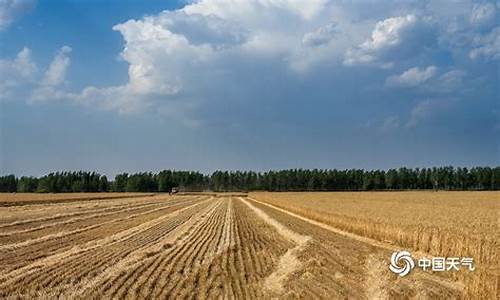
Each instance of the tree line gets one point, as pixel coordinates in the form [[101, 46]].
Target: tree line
[[438, 178]]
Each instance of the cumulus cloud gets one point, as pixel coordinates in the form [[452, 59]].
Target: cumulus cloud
[[200, 29], [213, 52], [15, 72], [247, 11], [412, 77], [171, 54], [390, 36], [10, 10], [320, 36], [430, 80], [157, 57], [48, 89], [56, 73]]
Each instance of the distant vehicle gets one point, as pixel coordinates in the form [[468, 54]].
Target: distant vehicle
[[174, 190]]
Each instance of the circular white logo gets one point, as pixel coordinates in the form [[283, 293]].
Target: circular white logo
[[401, 263]]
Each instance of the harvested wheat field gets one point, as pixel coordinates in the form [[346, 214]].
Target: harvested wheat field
[[13, 199], [431, 224], [268, 245]]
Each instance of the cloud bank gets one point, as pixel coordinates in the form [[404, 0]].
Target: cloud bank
[[215, 52]]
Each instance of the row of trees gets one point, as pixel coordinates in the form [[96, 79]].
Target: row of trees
[[443, 178], [60, 182], [164, 181]]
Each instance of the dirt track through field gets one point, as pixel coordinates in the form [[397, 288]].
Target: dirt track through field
[[288, 263], [375, 278], [195, 247]]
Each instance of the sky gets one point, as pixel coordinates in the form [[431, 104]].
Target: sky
[[127, 86]]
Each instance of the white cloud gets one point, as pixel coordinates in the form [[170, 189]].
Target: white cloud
[[487, 47], [56, 73], [227, 50], [171, 54], [200, 29], [320, 36], [21, 66], [428, 80], [10, 10], [49, 87], [247, 11], [16, 72], [412, 77], [387, 35], [157, 57]]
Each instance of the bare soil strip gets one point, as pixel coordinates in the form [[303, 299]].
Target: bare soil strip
[[377, 278], [458, 286], [330, 228], [288, 263]]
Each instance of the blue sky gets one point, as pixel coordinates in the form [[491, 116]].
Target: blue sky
[[125, 86]]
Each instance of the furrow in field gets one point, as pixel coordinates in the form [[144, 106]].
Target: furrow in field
[[332, 265], [81, 210], [212, 249], [21, 217], [288, 262], [200, 253], [196, 271], [58, 234], [337, 265], [16, 257], [241, 271], [109, 257], [225, 240], [177, 244], [32, 280], [238, 269], [44, 228], [74, 211], [220, 273], [174, 263], [114, 281], [68, 200], [147, 270]]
